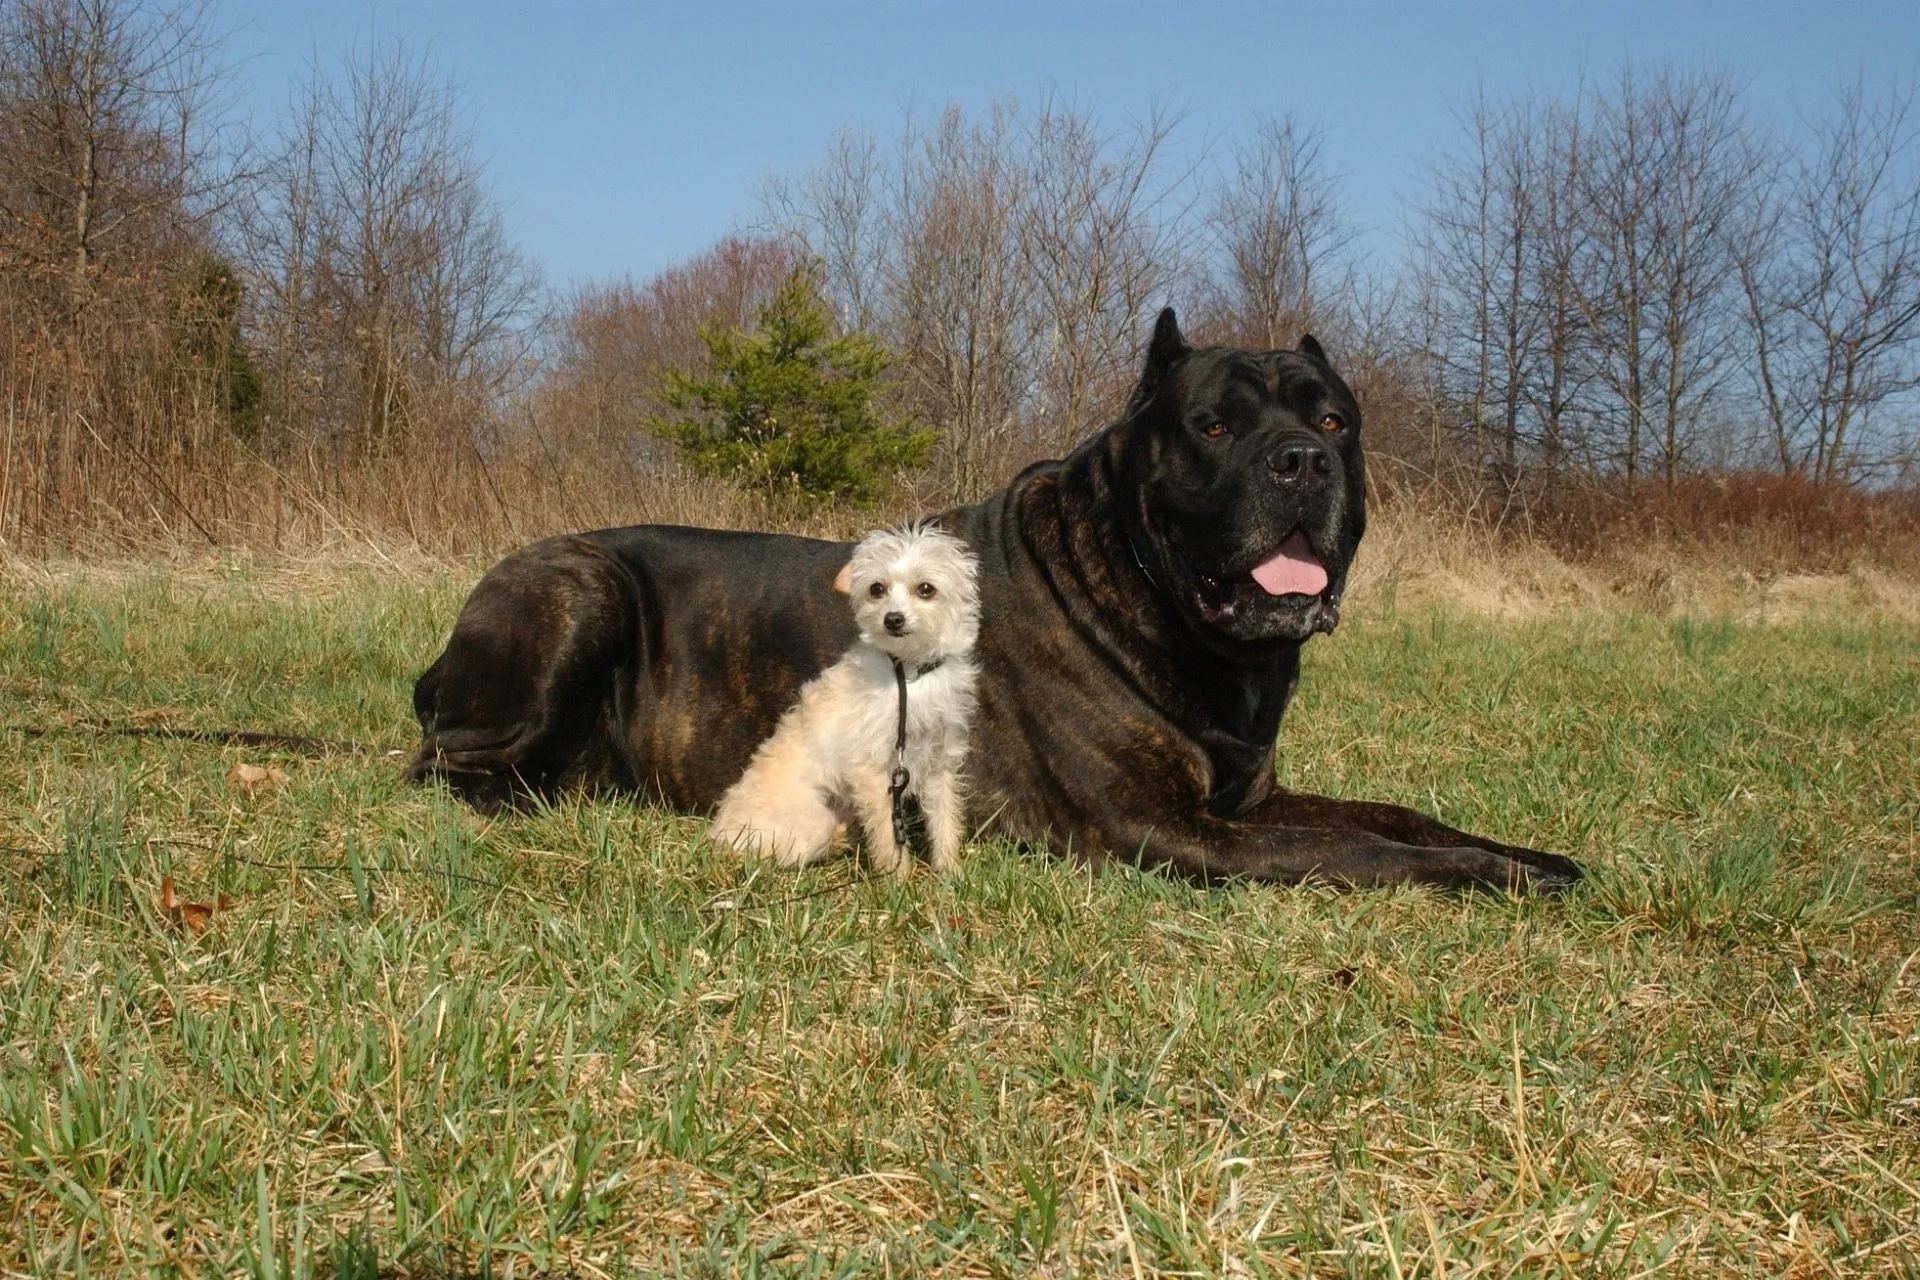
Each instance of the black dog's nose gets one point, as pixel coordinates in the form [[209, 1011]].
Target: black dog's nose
[[1300, 463], [895, 623]]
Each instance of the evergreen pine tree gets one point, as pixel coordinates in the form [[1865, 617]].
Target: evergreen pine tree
[[788, 406]]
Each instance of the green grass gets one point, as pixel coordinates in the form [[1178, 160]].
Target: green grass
[[581, 1040]]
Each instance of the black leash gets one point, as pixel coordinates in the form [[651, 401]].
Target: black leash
[[901, 779], [897, 785], [211, 737]]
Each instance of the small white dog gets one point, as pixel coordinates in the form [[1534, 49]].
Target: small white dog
[[833, 758]]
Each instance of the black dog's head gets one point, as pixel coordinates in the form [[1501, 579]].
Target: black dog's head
[[1246, 483]]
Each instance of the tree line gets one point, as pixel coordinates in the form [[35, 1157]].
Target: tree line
[[179, 296], [1635, 278], [1616, 285], [1620, 284]]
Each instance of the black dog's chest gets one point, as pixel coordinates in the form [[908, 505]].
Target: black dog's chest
[[1240, 746]]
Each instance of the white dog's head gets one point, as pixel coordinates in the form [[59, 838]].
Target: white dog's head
[[914, 593]]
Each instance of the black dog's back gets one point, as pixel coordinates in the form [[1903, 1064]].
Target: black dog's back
[[653, 658]]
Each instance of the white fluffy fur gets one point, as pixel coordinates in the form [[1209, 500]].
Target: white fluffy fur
[[831, 757]]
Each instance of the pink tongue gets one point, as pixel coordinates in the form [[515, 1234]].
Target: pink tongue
[[1294, 569]]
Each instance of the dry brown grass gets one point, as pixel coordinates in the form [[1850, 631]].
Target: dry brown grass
[[1745, 546], [1418, 558], [445, 498], [1760, 520]]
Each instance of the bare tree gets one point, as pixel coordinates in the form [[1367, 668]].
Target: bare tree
[[1479, 228], [616, 340], [1579, 257], [922, 246], [1278, 228], [280, 240], [117, 339], [1666, 183], [1010, 258], [960, 303], [1100, 254], [379, 254], [1591, 272], [835, 214], [102, 164], [1562, 370], [1832, 286]]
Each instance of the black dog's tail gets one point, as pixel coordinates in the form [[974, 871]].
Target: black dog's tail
[[212, 737]]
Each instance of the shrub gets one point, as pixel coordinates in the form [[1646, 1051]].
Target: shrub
[[789, 406]]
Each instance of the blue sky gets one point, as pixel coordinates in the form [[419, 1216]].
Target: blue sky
[[622, 138]]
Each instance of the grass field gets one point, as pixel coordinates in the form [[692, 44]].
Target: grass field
[[581, 1040]]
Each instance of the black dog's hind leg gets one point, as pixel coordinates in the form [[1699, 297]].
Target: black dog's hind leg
[[526, 698]]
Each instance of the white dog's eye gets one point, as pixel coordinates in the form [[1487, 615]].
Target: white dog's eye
[[925, 591], [877, 590]]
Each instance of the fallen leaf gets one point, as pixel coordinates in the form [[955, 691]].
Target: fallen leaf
[[194, 917], [133, 644], [248, 778]]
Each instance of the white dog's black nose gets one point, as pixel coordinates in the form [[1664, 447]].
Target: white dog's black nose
[[895, 623]]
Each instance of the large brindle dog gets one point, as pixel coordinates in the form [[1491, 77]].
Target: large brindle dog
[[1144, 601]]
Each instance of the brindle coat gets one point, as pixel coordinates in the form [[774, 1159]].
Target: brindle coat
[[1132, 674]]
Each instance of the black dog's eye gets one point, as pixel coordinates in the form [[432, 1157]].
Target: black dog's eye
[[1333, 422], [1211, 428], [925, 591], [877, 590]]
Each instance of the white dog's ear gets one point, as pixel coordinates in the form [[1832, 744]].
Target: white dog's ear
[[843, 581]]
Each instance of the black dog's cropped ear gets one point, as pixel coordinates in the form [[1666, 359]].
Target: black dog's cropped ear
[[843, 581], [1165, 351], [1310, 346], [1168, 345]]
